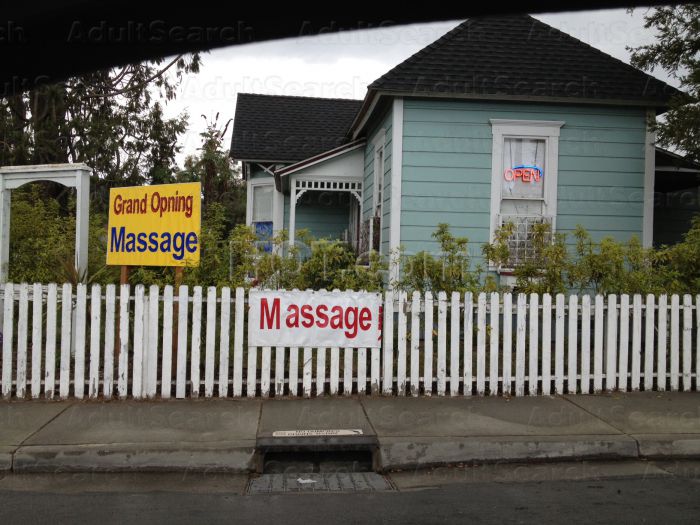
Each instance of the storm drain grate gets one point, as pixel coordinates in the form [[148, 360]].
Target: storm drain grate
[[318, 482]]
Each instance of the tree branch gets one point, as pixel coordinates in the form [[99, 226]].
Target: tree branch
[[138, 86]]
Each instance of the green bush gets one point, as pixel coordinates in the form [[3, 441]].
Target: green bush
[[42, 250], [42, 241], [545, 270], [614, 267], [315, 264], [606, 267], [449, 271]]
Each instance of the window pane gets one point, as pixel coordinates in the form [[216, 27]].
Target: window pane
[[521, 207], [523, 168], [262, 203], [378, 181]]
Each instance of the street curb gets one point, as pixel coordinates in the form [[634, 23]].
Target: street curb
[[6, 458], [394, 453], [147, 457], [401, 453], [668, 446]]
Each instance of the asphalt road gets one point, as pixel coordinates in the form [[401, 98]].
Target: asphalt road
[[147, 499]]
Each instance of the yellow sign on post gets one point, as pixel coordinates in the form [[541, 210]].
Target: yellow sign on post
[[155, 225]]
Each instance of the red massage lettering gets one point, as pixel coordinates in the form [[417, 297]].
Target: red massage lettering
[[322, 316], [351, 320], [293, 317], [267, 316], [308, 317]]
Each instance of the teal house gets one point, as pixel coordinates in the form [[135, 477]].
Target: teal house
[[501, 119]]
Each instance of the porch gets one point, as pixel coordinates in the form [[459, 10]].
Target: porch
[[328, 208]]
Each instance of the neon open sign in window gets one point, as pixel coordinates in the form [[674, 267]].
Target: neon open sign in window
[[524, 172]]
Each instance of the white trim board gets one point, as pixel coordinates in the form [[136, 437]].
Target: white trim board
[[396, 176], [649, 182], [549, 131], [378, 144], [304, 164], [277, 212]]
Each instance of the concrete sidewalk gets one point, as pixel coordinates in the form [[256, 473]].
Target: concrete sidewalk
[[214, 434]]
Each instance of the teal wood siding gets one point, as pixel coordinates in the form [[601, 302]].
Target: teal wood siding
[[447, 168], [368, 182]]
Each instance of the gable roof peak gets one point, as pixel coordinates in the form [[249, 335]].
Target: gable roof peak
[[520, 57]]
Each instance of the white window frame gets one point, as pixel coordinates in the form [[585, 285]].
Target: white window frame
[[379, 144], [547, 130], [249, 199]]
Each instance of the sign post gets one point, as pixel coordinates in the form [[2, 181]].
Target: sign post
[[176, 314]]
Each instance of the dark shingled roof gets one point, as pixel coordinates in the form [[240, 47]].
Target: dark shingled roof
[[284, 128], [519, 56]]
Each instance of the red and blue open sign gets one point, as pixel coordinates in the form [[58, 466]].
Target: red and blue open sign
[[524, 172]]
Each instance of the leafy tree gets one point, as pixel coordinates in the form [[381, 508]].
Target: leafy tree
[[112, 120], [677, 51], [220, 177]]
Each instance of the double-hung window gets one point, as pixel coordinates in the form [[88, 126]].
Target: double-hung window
[[260, 206], [523, 180]]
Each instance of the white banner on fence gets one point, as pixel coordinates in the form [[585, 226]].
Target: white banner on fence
[[314, 319]]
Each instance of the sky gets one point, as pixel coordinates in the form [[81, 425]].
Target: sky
[[342, 64]]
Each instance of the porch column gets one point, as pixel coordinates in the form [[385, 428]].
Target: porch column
[[277, 211], [292, 209]]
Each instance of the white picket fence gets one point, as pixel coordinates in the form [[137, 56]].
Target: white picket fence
[[100, 343]]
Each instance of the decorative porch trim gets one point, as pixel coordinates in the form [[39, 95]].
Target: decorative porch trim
[[300, 185], [304, 185]]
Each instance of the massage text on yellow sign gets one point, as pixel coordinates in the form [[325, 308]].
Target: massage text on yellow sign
[[154, 225]]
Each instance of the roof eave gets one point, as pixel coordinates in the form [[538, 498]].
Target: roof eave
[[368, 104], [659, 105], [253, 159], [321, 157]]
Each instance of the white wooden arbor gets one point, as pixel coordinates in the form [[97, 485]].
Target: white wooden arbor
[[70, 175]]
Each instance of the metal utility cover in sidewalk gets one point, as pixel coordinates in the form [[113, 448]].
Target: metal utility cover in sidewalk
[[321, 424]]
